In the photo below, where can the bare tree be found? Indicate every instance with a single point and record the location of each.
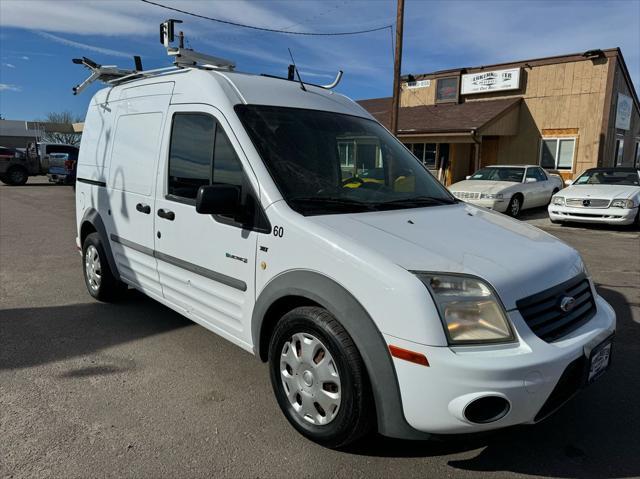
(57, 137)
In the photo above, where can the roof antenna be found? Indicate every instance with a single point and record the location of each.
(296, 69)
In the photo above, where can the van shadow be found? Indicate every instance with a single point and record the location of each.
(596, 434)
(35, 336)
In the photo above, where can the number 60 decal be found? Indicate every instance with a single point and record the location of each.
(278, 231)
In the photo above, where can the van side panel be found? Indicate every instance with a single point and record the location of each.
(135, 152)
(131, 180)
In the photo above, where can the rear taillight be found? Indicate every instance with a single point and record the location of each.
(68, 164)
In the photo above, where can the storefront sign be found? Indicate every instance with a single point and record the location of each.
(496, 80)
(623, 112)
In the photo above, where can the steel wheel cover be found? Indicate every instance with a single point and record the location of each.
(310, 379)
(92, 268)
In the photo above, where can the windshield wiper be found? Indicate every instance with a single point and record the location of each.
(333, 201)
(418, 201)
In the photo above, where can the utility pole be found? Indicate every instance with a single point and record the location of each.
(397, 65)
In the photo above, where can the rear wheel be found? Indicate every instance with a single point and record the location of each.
(319, 379)
(98, 277)
(16, 176)
(514, 207)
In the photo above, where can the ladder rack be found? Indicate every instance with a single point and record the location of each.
(183, 58)
(104, 73)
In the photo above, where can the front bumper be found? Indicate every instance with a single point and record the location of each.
(612, 216)
(499, 205)
(525, 374)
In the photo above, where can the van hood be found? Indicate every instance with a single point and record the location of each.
(517, 259)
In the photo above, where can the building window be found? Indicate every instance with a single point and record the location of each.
(619, 154)
(447, 89)
(557, 153)
(425, 152)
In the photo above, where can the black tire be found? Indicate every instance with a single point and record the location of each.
(355, 414)
(109, 288)
(16, 176)
(555, 222)
(515, 206)
(4, 179)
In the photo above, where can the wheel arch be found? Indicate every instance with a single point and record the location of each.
(301, 287)
(92, 222)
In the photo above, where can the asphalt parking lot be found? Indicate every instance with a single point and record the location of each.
(133, 389)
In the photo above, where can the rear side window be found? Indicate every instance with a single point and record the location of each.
(200, 154)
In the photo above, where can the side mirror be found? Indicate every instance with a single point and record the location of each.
(218, 200)
(530, 180)
(568, 182)
(467, 177)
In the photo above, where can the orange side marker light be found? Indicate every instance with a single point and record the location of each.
(407, 355)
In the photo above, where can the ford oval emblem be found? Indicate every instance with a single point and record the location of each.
(567, 303)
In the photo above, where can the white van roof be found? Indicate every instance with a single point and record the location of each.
(197, 85)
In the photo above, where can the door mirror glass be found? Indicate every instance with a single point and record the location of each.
(218, 200)
(568, 182)
(530, 180)
(467, 177)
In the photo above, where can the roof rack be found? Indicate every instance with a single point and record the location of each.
(186, 57)
(104, 73)
(183, 58)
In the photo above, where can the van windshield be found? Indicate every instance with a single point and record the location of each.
(327, 163)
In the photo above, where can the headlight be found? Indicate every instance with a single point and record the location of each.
(558, 200)
(622, 204)
(469, 309)
(491, 196)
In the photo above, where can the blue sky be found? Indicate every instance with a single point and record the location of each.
(39, 38)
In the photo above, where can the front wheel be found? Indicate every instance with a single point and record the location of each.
(514, 207)
(319, 379)
(17, 176)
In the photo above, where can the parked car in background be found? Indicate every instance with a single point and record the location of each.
(62, 169)
(34, 161)
(599, 195)
(11, 159)
(508, 188)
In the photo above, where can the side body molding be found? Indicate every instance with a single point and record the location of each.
(93, 217)
(365, 334)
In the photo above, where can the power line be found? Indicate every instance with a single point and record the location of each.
(272, 30)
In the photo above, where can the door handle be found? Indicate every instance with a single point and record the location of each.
(166, 214)
(142, 208)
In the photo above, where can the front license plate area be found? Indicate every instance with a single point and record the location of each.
(599, 360)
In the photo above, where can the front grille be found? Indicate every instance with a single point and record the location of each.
(543, 313)
(466, 195)
(587, 203)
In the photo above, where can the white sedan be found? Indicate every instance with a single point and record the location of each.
(508, 188)
(600, 195)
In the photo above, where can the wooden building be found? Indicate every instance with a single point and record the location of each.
(566, 113)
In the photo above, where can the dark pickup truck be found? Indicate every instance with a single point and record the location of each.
(16, 167)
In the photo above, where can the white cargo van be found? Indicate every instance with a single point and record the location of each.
(291, 223)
